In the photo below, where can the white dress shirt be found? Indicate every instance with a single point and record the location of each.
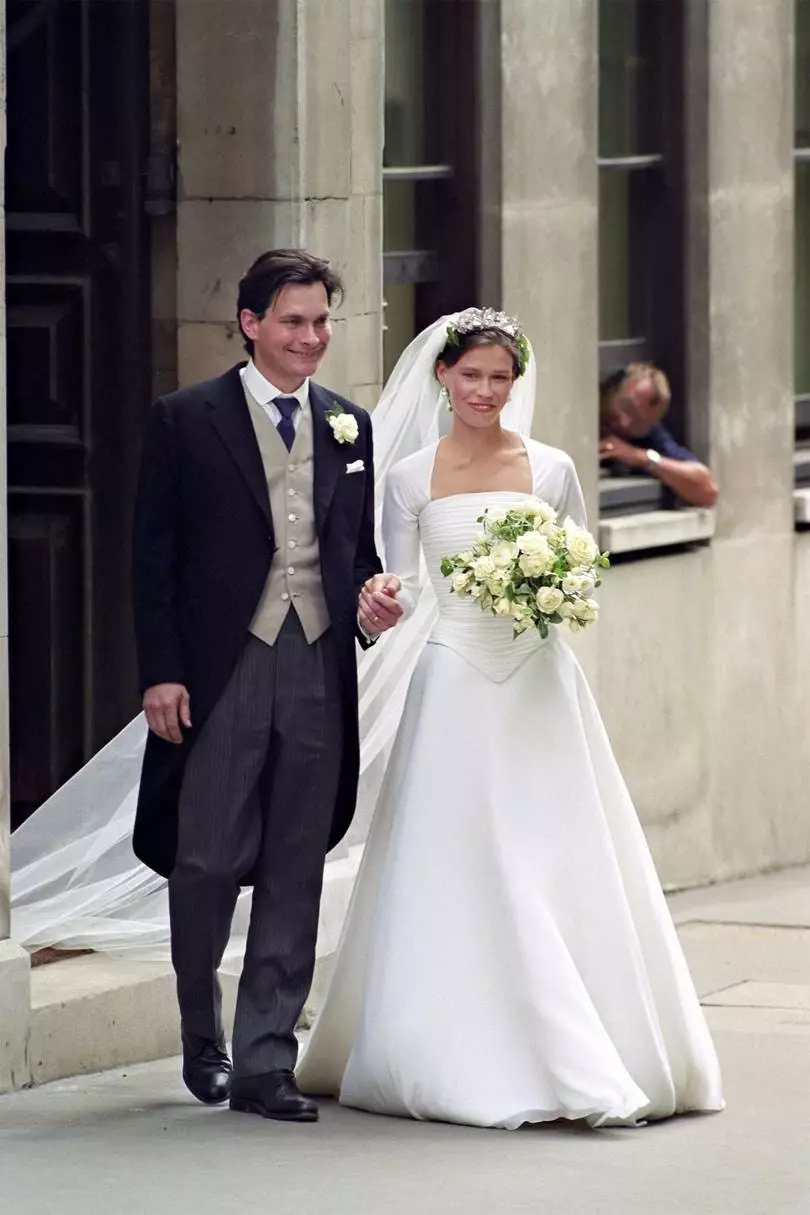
(264, 393)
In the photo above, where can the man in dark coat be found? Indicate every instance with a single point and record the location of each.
(254, 537)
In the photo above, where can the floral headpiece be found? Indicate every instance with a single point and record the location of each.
(476, 320)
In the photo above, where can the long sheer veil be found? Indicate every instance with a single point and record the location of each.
(75, 881)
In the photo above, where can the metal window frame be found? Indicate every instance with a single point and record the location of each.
(801, 464)
(801, 400)
(442, 265)
(659, 224)
(629, 495)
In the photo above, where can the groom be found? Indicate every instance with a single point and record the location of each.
(254, 536)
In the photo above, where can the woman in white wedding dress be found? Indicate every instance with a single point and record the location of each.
(508, 955)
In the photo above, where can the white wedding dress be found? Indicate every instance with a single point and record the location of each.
(508, 955)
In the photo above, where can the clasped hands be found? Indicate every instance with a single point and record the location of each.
(167, 706)
(377, 607)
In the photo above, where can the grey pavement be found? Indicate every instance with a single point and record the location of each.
(132, 1142)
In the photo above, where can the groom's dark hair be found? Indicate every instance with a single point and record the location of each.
(277, 268)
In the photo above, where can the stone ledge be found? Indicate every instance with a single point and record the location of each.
(15, 1016)
(656, 529)
(93, 1013)
(801, 506)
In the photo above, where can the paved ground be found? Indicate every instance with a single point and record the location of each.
(131, 1143)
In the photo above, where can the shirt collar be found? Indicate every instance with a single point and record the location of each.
(264, 392)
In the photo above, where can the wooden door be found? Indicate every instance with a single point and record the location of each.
(78, 374)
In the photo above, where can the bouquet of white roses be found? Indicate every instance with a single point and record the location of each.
(527, 565)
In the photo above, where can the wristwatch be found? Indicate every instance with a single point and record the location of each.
(653, 458)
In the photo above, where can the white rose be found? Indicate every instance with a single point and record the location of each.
(483, 567)
(461, 583)
(504, 554)
(549, 599)
(496, 515)
(519, 610)
(534, 565)
(533, 508)
(541, 511)
(585, 610)
(581, 546)
(547, 527)
(566, 610)
(533, 543)
(593, 608)
(502, 607)
(344, 427)
(573, 624)
(571, 583)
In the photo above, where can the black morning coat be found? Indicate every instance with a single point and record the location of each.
(203, 545)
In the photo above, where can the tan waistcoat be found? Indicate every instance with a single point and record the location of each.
(295, 573)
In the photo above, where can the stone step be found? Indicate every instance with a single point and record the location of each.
(92, 1012)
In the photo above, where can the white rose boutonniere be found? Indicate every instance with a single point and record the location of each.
(344, 425)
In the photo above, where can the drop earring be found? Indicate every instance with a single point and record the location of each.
(445, 396)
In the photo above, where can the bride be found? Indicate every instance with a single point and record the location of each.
(508, 956)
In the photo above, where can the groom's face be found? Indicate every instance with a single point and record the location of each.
(291, 338)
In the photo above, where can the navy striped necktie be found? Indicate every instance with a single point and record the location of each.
(286, 407)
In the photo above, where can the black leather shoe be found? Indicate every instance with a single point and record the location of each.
(272, 1095)
(207, 1070)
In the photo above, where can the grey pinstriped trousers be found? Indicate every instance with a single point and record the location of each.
(258, 796)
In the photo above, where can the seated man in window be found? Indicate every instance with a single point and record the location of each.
(633, 401)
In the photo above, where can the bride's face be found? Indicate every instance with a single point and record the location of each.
(479, 384)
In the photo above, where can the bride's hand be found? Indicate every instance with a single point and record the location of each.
(377, 606)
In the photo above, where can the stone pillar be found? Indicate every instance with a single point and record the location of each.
(280, 128)
(543, 206)
(740, 352)
(15, 990)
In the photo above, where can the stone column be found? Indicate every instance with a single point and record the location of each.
(740, 312)
(540, 217)
(280, 109)
(15, 992)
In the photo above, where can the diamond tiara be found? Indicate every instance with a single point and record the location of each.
(476, 320)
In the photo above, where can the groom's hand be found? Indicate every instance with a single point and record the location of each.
(167, 707)
(377, 608)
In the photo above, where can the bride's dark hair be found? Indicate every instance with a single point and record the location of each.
(453, 351)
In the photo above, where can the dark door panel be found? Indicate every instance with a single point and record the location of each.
(78, 373)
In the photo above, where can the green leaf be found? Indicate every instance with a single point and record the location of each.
(336, 410)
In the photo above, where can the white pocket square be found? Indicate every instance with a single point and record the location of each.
(356, 466)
